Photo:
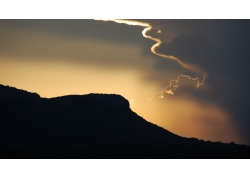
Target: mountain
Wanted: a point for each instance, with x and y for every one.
(92, 126)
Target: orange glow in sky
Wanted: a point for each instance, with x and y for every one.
(183, 117)
(188, 118)
(82, 66)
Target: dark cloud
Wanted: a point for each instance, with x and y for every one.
(221, 48)
(77, 28)
(96, 43)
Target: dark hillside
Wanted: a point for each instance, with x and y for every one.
(91, 126)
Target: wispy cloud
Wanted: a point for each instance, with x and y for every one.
(148, 28)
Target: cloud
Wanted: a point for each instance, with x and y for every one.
(220, 48)
(46, 45)
(153, 32)
(182, 84)
(204, 47)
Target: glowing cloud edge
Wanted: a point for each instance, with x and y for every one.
(149, 27)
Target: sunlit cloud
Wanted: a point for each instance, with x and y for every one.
(193, 68)
(128, 22)
(183, 115)
(157, 29)
(148, 28)
(185, 81)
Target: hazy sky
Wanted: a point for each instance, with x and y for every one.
(188, 76)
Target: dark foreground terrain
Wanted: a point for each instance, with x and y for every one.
(92, 126)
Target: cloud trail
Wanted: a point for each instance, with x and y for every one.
(128, 22)
(148, 27)
(158, 43)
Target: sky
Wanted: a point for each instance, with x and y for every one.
(187, 76)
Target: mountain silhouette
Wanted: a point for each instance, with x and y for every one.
(92, 126)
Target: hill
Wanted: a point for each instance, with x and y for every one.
(92, 126)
